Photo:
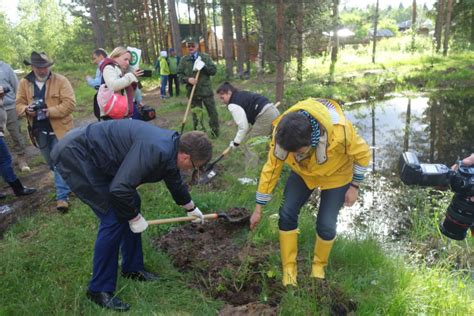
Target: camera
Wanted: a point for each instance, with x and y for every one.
(6, 90)
(147, 73)
(460, 213)
(37, 105)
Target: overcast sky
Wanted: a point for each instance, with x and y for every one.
(9, 6)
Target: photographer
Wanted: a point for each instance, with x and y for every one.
(118, 76)
(47, 99)
(6, 168)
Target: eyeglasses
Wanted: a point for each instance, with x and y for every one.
(194, 166)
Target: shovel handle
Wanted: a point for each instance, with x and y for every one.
(212, 164)
(190, 101)
(180, 219)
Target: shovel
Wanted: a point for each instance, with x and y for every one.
(188, 107)
(209, 172)
(224, 216)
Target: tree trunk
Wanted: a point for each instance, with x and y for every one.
(191, 30)
(163, 31)
(154, 10)
(472, 29)
(228, 38)
(299, 40)
(280, 51)
(259, 59)
(376, 21)
(97, 29)
(141, 40)
(247, 44)
(150, 28)
(197, 27)
(118, 22)
(439, 24)
(335, 39)
(239, 38)
(447, 27)
(413, 27)
(108, 24)
(215, 29)
(175, 32)
(203, 20)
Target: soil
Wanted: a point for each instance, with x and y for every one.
(225, 266)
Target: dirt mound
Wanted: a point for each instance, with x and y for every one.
(228, 268)
(248, 309)
(224, 264)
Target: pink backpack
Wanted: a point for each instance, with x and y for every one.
(111, 104)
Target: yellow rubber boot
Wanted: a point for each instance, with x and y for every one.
(288, 253)
(322, 248)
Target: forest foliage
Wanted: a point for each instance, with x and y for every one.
(70, 30)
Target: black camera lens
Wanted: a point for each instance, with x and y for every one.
(459, 218)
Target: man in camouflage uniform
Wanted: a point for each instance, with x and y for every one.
(203, 93)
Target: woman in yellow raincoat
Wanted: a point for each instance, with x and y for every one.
(324, 151)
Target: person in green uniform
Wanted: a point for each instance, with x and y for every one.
(203, 93)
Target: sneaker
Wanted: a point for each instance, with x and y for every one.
(62, 206)
(23, 165)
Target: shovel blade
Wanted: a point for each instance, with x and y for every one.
(207, 177)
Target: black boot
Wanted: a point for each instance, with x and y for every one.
(19, 189)
(107, 300)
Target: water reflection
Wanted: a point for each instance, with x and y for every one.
(439, 128)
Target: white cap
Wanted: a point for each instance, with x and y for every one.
(163, 53)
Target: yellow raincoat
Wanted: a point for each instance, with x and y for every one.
(328, 166)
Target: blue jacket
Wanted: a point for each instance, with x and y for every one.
(104, 163)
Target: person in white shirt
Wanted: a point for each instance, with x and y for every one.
(253, 113)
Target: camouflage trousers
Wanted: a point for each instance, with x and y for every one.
(210, 105)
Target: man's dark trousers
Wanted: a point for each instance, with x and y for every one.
(112, 236)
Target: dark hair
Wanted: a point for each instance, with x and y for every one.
(226, 87)
(197, 145)
(293, 132)
(100, 52)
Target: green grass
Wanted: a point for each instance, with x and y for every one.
(47, 258)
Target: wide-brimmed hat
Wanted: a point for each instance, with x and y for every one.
(40, 60)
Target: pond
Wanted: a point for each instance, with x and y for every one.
(438, 127)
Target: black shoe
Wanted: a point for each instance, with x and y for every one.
(107, 300)
(19, 189)
(141, 276)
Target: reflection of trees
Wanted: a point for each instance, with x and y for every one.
(450, 119)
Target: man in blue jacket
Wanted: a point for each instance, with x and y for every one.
(104, 163)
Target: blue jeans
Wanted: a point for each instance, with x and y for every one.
(46, 144)
(114, 236)
(295, 196)
(164, 82)
(6, 168)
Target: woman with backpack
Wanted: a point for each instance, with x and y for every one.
(118, 76)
